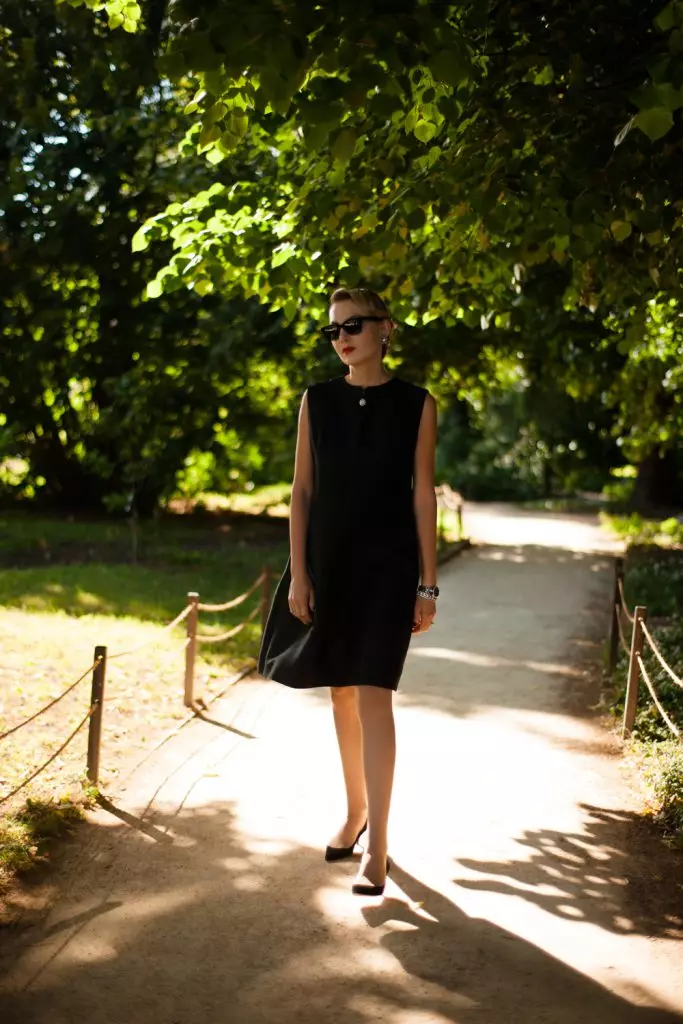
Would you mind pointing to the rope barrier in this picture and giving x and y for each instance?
(641, 666)
(628, 614)
(51, 704)
(42, 768)
(658, 655)
(622, 638)
(235, 601)
(120, 654)
(155, 639)
(208, 639)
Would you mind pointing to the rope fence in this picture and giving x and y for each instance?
(236, 600)
(98, 669)
(622, 639)
(622, 599)
(47, 707)
(209, 639)
(640, 636)
(658, 654)
(648, 682)
(49, 761)
(448, 498)
(155, 640)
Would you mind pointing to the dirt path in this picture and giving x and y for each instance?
(525, 889)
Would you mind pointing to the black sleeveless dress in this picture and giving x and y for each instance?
(362, 547)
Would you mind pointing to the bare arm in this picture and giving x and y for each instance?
(302, 489)
(424, 497)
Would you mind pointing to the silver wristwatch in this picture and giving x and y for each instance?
(431, 592)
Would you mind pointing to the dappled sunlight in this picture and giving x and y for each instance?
(492, 661)
(237, 906)
(594, 875)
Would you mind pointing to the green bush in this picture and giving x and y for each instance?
(654, 578)
(26, 834)
(663, 770)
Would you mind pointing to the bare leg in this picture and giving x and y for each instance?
(376, 711)
(349, 737)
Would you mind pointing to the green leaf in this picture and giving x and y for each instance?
(655, 122)
(215, 155)
(282, 254)
(621, 229)
(203, 286)
(209, 133)
(227, 142)
(140, 240)
(155, 288)
(676, 41)
(663, 94)
(666, 18)
(545, 76)
(425, 131)
(448, 66)
(344, 145)
(315, 136)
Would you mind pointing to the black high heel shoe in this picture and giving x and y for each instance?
(339, 852)
(365, 889)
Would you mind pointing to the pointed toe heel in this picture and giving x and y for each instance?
(367, 889)
(340, 852)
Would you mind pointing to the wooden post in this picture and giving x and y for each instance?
(95, 725)
(460, 535)
(613, 643)
(633, 671)
(191, 647)
(440, 527)
(265, 596)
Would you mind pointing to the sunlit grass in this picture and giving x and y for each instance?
(638, 530)
(73, 586)
(272, 500)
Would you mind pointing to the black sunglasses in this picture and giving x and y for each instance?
(354, 325)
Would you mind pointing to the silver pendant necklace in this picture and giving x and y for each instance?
(361, 400)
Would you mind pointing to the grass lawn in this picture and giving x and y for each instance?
(66, 586)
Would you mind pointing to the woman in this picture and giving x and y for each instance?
(362, 537)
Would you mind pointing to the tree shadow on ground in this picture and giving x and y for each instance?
(498, 976)
(604, 875)
(222, 925)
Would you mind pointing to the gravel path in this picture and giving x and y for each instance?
(526, 886)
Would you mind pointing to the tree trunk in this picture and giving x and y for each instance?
(658, 489)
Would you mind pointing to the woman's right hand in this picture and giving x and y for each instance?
(302, 598)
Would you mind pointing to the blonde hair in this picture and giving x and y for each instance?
(368, 300)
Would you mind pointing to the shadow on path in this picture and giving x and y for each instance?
(604, 875)
(221, 927)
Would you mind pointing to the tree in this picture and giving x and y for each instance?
(444, 153)
(103, 394)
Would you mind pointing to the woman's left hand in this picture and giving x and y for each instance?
(424, 614)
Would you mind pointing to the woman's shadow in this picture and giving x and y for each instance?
(492, 976)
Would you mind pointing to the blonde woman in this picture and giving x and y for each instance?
(361, 576)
